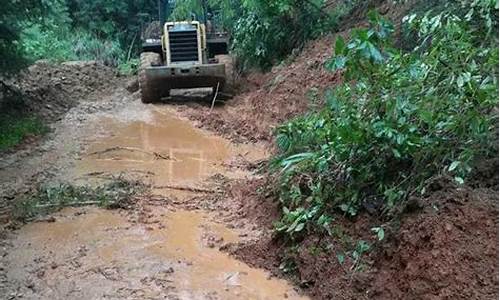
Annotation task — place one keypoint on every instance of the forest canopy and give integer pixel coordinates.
(61, 30)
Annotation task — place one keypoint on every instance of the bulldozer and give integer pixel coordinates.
(183, 55)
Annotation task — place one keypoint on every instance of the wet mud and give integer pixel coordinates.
(89, 253)
(159, 252)
(164, 150)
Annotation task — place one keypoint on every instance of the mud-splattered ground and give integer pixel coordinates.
(89, 253)
(158, 250)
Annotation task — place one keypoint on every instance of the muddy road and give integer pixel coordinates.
(167, 246)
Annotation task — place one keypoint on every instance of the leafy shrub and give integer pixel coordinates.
(266, 31)
(42, 43)
(12, 14)
(129, 67)
(400, 119)
(60, 44)
(87, 46)
(14, 130)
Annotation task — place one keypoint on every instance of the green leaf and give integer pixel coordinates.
(460, 180)
(375, 53)
(337, 63)
(300, 227)
(344, 207)
(340, 63)
(453, 166)
(362, 247)
(396, 153)
(380, 232)
(295, 159)
(340, 47)
(283, 142)
(341, 258)
(373, 16)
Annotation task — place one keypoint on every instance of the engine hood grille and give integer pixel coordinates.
(183, 46)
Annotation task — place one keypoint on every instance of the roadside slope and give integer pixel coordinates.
(283, 93)
(446, 247)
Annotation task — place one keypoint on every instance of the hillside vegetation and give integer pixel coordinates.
(401, 118)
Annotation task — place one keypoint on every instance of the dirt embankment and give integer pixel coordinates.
(446, 248)
(48, 90)
(283, 93)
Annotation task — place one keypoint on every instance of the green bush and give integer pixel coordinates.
(61, 44)
(129, 67)
(14, 130)
(400, 119)
(12, 15)
(267, 32)
(87, 46)
(42, 43)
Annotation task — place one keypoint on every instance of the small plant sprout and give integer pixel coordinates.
(379, 231)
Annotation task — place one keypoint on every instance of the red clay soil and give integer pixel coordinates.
(447, 250)
(276, 96)
(448, 253)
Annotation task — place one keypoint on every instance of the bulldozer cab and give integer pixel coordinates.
(214, 36)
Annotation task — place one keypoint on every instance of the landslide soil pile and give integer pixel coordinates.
(49, 90)
(445, 247)
(64, 96)
(283, 93)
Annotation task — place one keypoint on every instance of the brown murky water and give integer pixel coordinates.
(162, 148)
(89, 253)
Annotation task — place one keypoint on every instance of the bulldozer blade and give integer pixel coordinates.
(160, 80)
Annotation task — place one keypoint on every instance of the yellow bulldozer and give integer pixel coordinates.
(183, 55)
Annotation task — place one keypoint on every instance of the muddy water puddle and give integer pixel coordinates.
(90, 253)
(163, 148)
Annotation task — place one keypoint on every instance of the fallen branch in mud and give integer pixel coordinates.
(184, 188)
(110, 176)
(156, 155)
(117, 193)
(74, 204)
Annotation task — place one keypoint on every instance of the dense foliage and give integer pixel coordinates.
(13, 130)
(12, 14)
(72, 29)
(265, 32)
(401, 118)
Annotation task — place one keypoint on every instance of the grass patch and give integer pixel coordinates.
(118, 193)
(14, 130)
